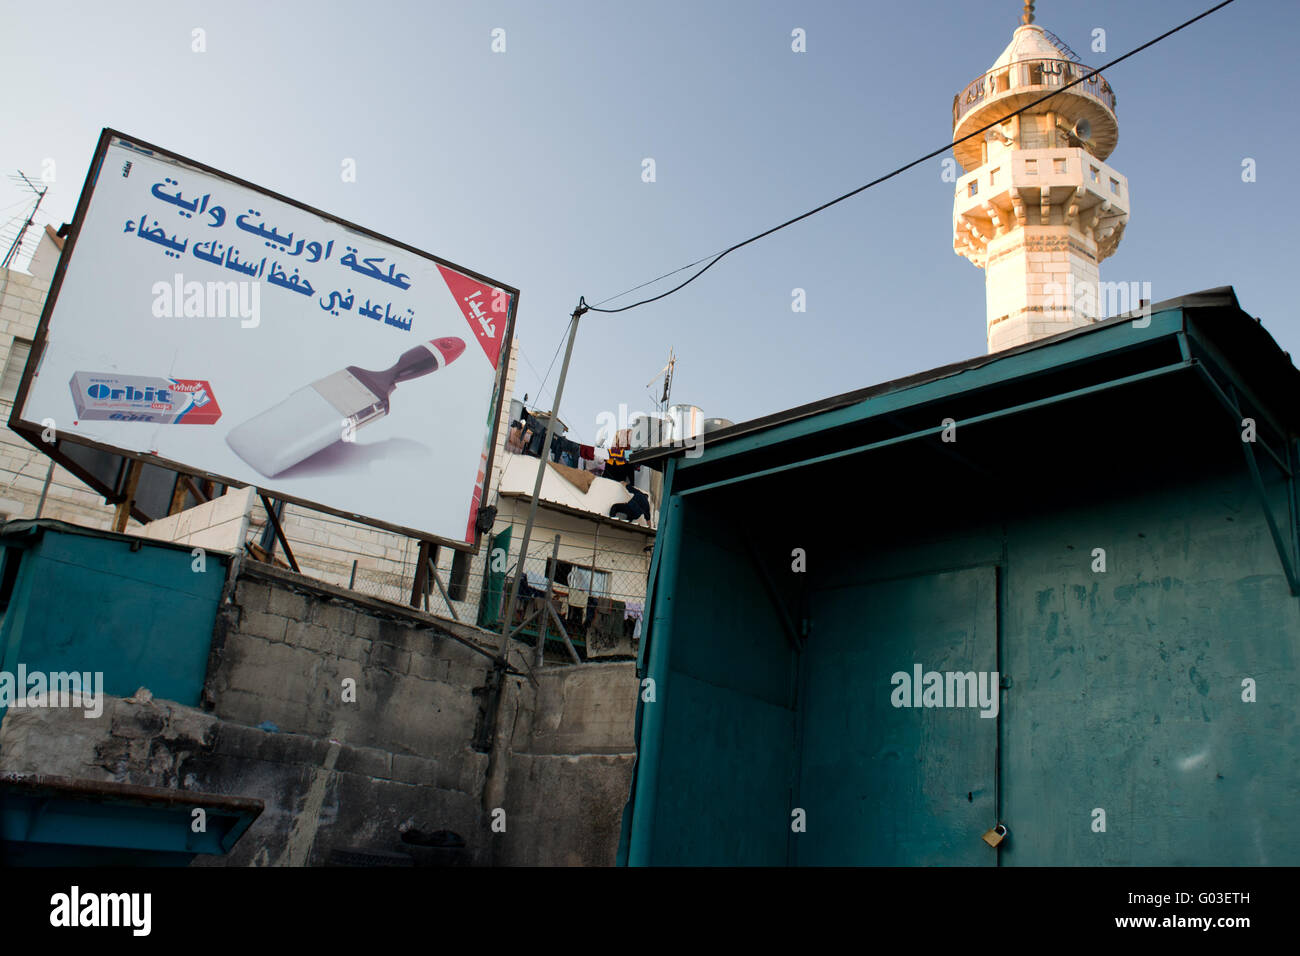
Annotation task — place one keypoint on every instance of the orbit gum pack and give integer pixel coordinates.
(101, 396)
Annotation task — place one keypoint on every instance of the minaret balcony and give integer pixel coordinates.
(1068, 187)
(1031, 76)
(998, 93)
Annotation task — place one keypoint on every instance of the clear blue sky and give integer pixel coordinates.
(526, 165)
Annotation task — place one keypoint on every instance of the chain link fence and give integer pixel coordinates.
(590, 587)
(597, 580)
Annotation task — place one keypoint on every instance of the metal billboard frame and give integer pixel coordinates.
(31, 431)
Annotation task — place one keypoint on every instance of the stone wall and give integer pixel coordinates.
(569, 766)
(344, 772)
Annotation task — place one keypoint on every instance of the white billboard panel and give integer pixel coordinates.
(203, 322)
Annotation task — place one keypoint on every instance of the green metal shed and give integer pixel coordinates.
(1052, 588)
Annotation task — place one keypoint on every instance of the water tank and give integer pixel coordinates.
(688, 421)
(649, 430)
(716, 424)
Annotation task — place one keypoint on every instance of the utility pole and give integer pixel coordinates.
(509, 609)
(491, 738)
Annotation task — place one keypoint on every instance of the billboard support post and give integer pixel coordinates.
(419, 586)
(279, 531)
(123, 513)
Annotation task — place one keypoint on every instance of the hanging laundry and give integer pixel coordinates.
(564, 451)
(586, 452)
(638, 506)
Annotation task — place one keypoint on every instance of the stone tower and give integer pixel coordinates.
(1037, 208)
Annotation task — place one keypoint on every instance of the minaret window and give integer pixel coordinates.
(1058, 165)
(1114, 186)
(1031, 167)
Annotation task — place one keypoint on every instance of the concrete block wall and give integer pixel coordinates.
(355, 774)
(319, 794)
(570, 766)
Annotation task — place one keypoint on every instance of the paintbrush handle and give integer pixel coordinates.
(412, 363)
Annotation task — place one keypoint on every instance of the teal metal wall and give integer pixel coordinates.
(729, 712)
(133, 609)
(1122, 690)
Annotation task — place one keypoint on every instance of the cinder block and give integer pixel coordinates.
(467, 675)
(353, 649)
(310, 636)
(419, 771)
(252, 595)
(390, 658)
(271, 627)
(333, 617)
(428, 667)
(369, 761)
(288, 603)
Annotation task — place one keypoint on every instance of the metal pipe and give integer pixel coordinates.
(546, 618)
(433, 572)
(49, 474)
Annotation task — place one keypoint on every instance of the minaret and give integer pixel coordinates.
(1037, 208)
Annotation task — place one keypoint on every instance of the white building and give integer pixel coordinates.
(1038, 208)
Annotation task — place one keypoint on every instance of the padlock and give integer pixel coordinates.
(996, 835)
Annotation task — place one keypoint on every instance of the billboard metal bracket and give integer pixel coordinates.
(279, 531)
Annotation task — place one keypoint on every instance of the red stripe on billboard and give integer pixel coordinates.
(485, 309)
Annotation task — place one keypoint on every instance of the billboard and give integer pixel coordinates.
(203, 323)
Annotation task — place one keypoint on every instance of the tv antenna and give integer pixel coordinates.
(31, 217)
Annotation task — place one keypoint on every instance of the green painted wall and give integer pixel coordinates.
(1125, 686)
(144, 618)
(729, 726)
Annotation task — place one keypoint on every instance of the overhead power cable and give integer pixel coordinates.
(717, 257)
